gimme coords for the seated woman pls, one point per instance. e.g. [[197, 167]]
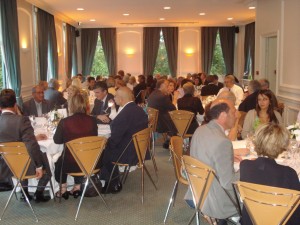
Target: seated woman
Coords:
[[264, 113], [77, 125], [190, 103], [270, 141]]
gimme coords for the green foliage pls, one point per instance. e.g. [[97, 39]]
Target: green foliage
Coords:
[[161, 65], [1, 74], [99, 66], [218, 64]]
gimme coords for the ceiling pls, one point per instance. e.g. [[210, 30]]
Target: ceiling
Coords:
[[109, 13]]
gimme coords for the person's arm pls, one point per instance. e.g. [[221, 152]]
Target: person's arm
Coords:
[[248, 123], [234, 130], [59, 135], [200, 108]]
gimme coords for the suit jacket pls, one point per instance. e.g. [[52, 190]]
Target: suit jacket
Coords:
[[210, 89], [194, 105], [75, 126], [266, 171], [55, 97], [163, 104], [98, 110], [129, 120], [29, 107], [16, 128], [211, 146], [249, 102], [137, 92]]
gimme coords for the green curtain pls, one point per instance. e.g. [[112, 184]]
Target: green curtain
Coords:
[[71, 51], [47, 45], [208, 44], [151, 36], [89, 38], [11, 48], [170, 35], [109, 45], [227, 38], [249, 47]]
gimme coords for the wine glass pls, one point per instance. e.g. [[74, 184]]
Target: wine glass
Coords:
[[249, 141], [32, 120], [109, 105]]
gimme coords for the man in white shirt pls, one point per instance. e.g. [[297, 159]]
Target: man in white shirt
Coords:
[[235, 89]]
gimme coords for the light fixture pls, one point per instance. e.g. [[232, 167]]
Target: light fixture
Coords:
[[80, 9], [161, 18], [24, 45], [125, 14], [92, 20], [129, 52], [230, 18], [167, 7], [202, 14], [189, 51], [251, 7]]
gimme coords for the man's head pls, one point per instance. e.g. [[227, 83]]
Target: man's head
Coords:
[[227, 95], [79, 76], [38, 93], [100, 90], [91, 82], [265, 84], [162, 85], [7, 99], [215, 79], [141, 79], [53, 83], [123, 96], [254, 86], [224, 112], [229, 81], [121, 73]]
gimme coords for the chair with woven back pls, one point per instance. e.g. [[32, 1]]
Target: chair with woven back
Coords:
[[266, 204], [87, 152], [176, 147], [153, 117], [17, 158]]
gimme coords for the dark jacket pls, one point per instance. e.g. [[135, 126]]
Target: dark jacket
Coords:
[[29, 107], [55, 98], [101, 110]]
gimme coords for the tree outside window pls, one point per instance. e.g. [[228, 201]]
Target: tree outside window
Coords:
[[99, 66], [161, 65], [1, 74], [218, 64]]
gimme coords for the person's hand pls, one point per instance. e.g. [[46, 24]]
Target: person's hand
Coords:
[[103, 118], [38, 173], [41, 137], [237, 158]]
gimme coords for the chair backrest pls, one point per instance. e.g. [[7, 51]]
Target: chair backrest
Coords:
[[176, 151], [87, 151], [200, 177], [182, 120], [152, 117], [16, 156], [141, 143], [266, 204]]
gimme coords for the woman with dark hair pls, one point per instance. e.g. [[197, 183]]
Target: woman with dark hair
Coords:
[[264, 113], [77, 125]]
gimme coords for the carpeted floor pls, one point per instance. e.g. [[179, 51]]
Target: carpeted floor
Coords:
[[126, 206]]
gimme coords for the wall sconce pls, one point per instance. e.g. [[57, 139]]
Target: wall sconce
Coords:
[[129, 52], [189, 52], [24, 45]]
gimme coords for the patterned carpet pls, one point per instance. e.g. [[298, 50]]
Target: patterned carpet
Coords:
[[126, 206]]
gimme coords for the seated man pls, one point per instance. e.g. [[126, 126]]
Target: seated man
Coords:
[[137, 90], [91, 83], [250, 101], [211, 146], [101, 109], [211, 88], [15, 127], [54, 96], [37, 106], [130, 119]]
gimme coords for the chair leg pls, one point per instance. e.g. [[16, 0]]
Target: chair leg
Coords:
[[172, 200], [198, 218], [52, 189], [10, 196], [92, 182], [27, 200], [110, 179], [192, 218], [142, 181], [81, 198], [154, 162], [145, 168], [125, 175]]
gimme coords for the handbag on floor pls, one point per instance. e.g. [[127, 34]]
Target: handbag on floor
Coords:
[[90, 190]]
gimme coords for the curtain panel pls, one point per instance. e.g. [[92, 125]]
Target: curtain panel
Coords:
[[71, 51], [151, 36], [47, 45], [170, 35], [89, 38], [249, 47], [109, 45], [11, 48], [208, 43], [227, 38]]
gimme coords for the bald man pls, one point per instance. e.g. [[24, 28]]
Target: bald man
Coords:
[[129, 120], [211, 146]]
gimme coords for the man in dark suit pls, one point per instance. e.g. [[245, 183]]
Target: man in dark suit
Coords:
[[54, 96], [250, 101], [101, 109], [137, 90], [216, 81], [211, 88], [130, 119], [37, 106], [15, 127]]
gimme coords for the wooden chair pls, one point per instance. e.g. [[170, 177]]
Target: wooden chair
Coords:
[[266, 204], [182, 120], [87, 152], [17, 158], [200, 177], [176, 151], [153, 117]]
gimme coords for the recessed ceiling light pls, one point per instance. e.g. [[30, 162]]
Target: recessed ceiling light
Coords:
[[202, 14], [92, 20], [230, 18], [167, 7], [161, 18], [125, 14], [80, 9], [251, 7]]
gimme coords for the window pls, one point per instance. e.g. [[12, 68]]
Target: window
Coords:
[[161, 65], [248, 74], [99, 66], [218, 64], [1, 74]]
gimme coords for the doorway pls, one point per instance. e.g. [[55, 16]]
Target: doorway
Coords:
[[271, 61]]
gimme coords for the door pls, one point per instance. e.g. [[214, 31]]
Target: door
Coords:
[[271, 62]]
